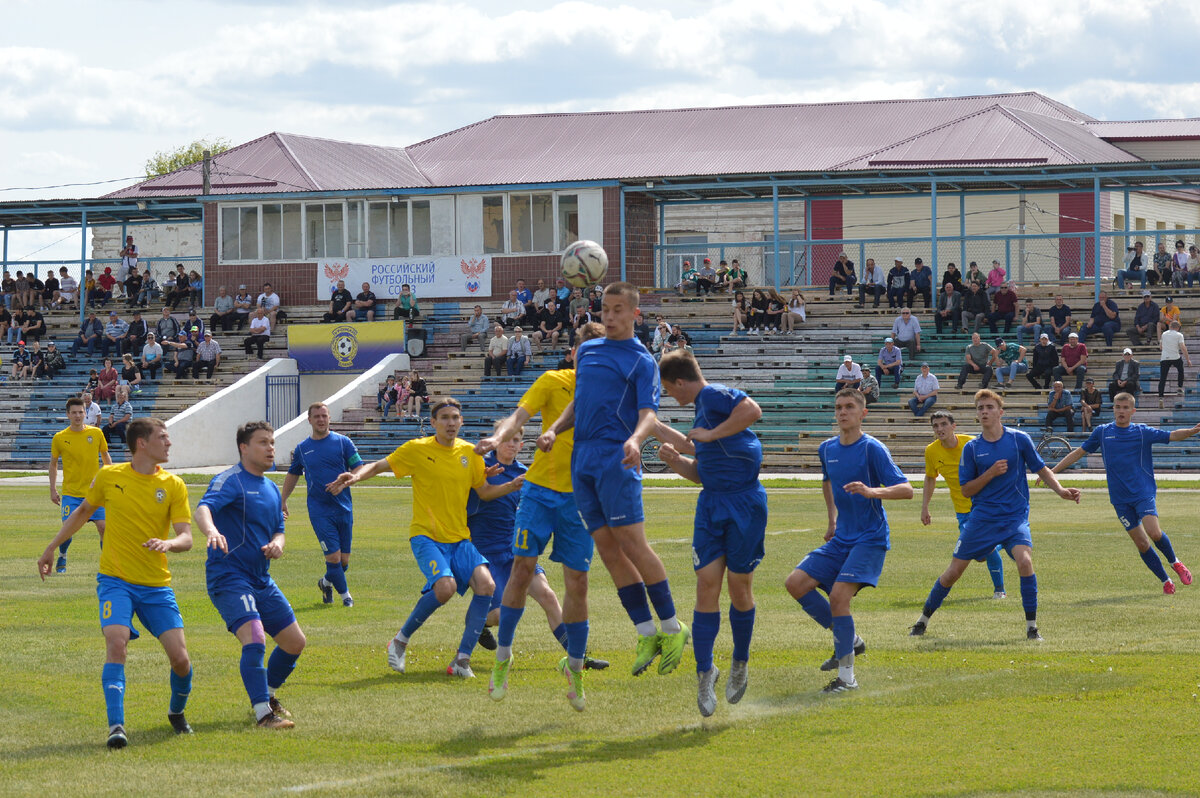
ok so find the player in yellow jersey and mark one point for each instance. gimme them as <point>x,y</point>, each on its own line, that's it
<point>145,503</point>
<point>444,469</point>
<point>547,509</point>
<point>81,448</point>
<point>942,457</point>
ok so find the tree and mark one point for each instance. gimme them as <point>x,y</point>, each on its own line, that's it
<point>164,161</point>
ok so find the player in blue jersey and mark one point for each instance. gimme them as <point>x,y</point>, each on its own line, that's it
<point>241,515</point>
<point>992,476</point>
<point>1126,449</point>
<point>858,476</point>
<point>731,514</point>
<point>613,413</point>
<point>321,458</point>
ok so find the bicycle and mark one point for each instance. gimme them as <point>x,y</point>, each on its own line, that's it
<point>1053,448</point>
<point>650,460</point>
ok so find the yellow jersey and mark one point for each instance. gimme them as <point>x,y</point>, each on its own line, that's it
<point>137,507</point>
<point>1172,313</point>
<point>549,395</point>
<point>442,480</point>
<point>940,460</point>
<point>80,453</point>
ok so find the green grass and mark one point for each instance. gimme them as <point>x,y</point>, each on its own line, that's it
<point>1106,706</point>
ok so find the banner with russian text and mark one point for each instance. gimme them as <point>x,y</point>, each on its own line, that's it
<point>342,347</point>
<point>442,276</point>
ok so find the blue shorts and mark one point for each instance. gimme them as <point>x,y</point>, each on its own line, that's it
<point>606,492</point>
<point>119,600</point>
<point>838,562</point>
<point>543,513</point>
<point>334,532</point>
<point>69,503</point>
<point>979,537</point>
<point>501,570</point>
<point>730,525</point>
<point>1131,514</point>
<point>242,598</point>
<point>438,560</point>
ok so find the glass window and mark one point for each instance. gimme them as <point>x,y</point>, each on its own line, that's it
<point>398,232</point>
<point>293,235</point>
<point>568,220</point>
<point>543,222</point>
<point>315,220</point>
<point>230,248</point>
<point>272,223</point>
<point>377,224</point>
<point>356,229</point>
<point>422,228</point>
<point>522,238</point>
<point>334,234</point>
<point>493,225</point>
<point>249,233</point>
<point>532,222</point>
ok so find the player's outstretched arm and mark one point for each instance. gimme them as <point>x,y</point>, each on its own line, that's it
<point>669,435</point>
<point>489,492</point>
<point>289,485</point>
<point>744,414</point>
<point>73,524</point>
<point>683,466</point>
<point>1184,434</point>
<point>348,478</point>
<point>1073,457</point>
<point>1070,494</point>
<point>901,490</point>
<point>181,542</point>
<point>212,536</point>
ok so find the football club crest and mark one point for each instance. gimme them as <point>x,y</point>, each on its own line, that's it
<point>344,345</point>
<point>463,460</point>
<point>160,495</point>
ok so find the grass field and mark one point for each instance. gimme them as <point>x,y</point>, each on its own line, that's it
<point>1107,705</point>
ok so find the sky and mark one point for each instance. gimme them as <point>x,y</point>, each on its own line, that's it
<point>89,91</point>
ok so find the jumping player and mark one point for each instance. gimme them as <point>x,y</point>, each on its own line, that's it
<point>613,413</point>
<point>82,449</point>
<point>147,503</point>
<point>547,509</point>
<point>241,515</point>
<point>444,469</point>
<point>1126,449</point>
<point>859,475</point>
<point>992,476</point>
<point>731,514</point>
<point>942,457</point>
<point>321,457</point>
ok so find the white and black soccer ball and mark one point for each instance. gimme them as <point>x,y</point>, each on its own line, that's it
<point>584,263</point>
<point>345,346</point>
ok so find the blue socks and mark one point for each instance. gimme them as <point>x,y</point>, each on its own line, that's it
<point>843,635</point>
<point>705,626</point>
<point>336,576</point>
<point>817,606</point>
<point>476,617</point>
<point>660,597</point>
<point>995,564</point>
<point>279,667</point>
<point>1029,596</point>
<point>509,618</point>
<point>181,688</point>
<point>426,604</point>
<point>1163,544</point>
<point>577,637</point>
<point>1150,557</point>
<point>112,679</point>
<point>560,634</point>
<point>254,675</point>
<point>742,626</point>
<point>66,544</point>
<point>937,595</point>
<point>633,599</point>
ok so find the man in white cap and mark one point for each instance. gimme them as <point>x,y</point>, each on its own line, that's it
<point>1072,360</point>
<point>849,374</point>
<point>1125,376</point>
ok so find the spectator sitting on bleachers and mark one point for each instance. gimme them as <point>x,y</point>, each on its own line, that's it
<point>974,275</point>
<point>562,293</point>
<point>978,356</point>
<point>949,309</point>
<point>1090,403</point>
<point>175,287</point>
<point>873,281</point>
<point>6,324</point>
<point>758,311</point>
<point>1168,314</point>
<point>678,339</point>
<point>577,301</point>
<point>849,374</point>
<point>1179,266</point>
<point>1125,376</point>
<point>364,304</point>
<point>1145,320</point>
<point>184,353</point>
<point>208,357</point>
<point>1136,266</point>
<point>167,328</point>
<point>551,325</point>
<point>511,310</point>
<point>906,330</point>
<point>776,307</point>
<point>135,333</point>
<point>402,390</point>
<point>104,284</point>
<point>8,290</point>
<point>920,283</point>
<point>706,278</point>
<point>195,289</point>
<point>193,324</point>
<point>542,295</point>
<point>22,363</point>
<point>37,359</point>
<point>243,306</point>
<point>976,307</point>
<point>406,305</point>
<point>1060,404</point>
<point>1059,315</point>
<point>496,355</point>
<point>418,394</point>
<point>1004,303</point>
<point>1029,322</point>
<point>898,280</point>
<point>107,387</point>
<point>869,387</point>
<point>1162,266</point>
<point>583,315</point>
<point>50,296</point>
<point>260,332</point>
<point>340,304</point>
<point>33,324</point>
<point>385,397</point>
<point>1105,319</point>
<point>595,297</point>
<point>1072,359</point>
<point>641,330</point>
<point>223,312</point>
<point>737,275</point>
<point>152,356</point>
<point>688,278</point>
<point>270,302</point>
<point>1193,267</point>
<point>741,312</point>
<point>93,382</point>
<point>133,287</point>
<point>53,362</point>
<point>90,333</point>
<point>661,331</point>
<point>477,330</point>
<point>519,352</point>
<point>1008,357</point>
<point>150,290</point>
<point>952,276</point>
<point>92,411</point>
<point>130,375</point>
<point>1043,360</point>
<point>889,363</point>
<point>797,313</point>
<point>843,275</point>
<point>925,391</point>
<point>996,278</point>
<point>114,335</point>
<point>68,289</point>
<point>119,416</point>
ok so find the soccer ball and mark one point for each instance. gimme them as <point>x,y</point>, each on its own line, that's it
<point>584,263</point>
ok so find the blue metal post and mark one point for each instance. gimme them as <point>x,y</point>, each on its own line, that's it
<point>1096,233</point>
<point>1126,238</point>
<point>933,224</point>
<point>962,231</point>
<point>82,263</point>
<point>661,255</point>
<point>775,215</point>
<point>621,199</point>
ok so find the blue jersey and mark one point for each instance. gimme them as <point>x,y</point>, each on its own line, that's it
<point>248,511</point>
<point>321,461</point>
<point>1128,461</point>
<point>1006,497</point>
<point>493,524</point>
<point>613,381</point>
<point>859,519</point>
<point>731,463</point>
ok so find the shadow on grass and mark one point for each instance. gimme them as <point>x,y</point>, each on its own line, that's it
<point>138,738</point>
<point>1111,600</point>
<point>401,679</point>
